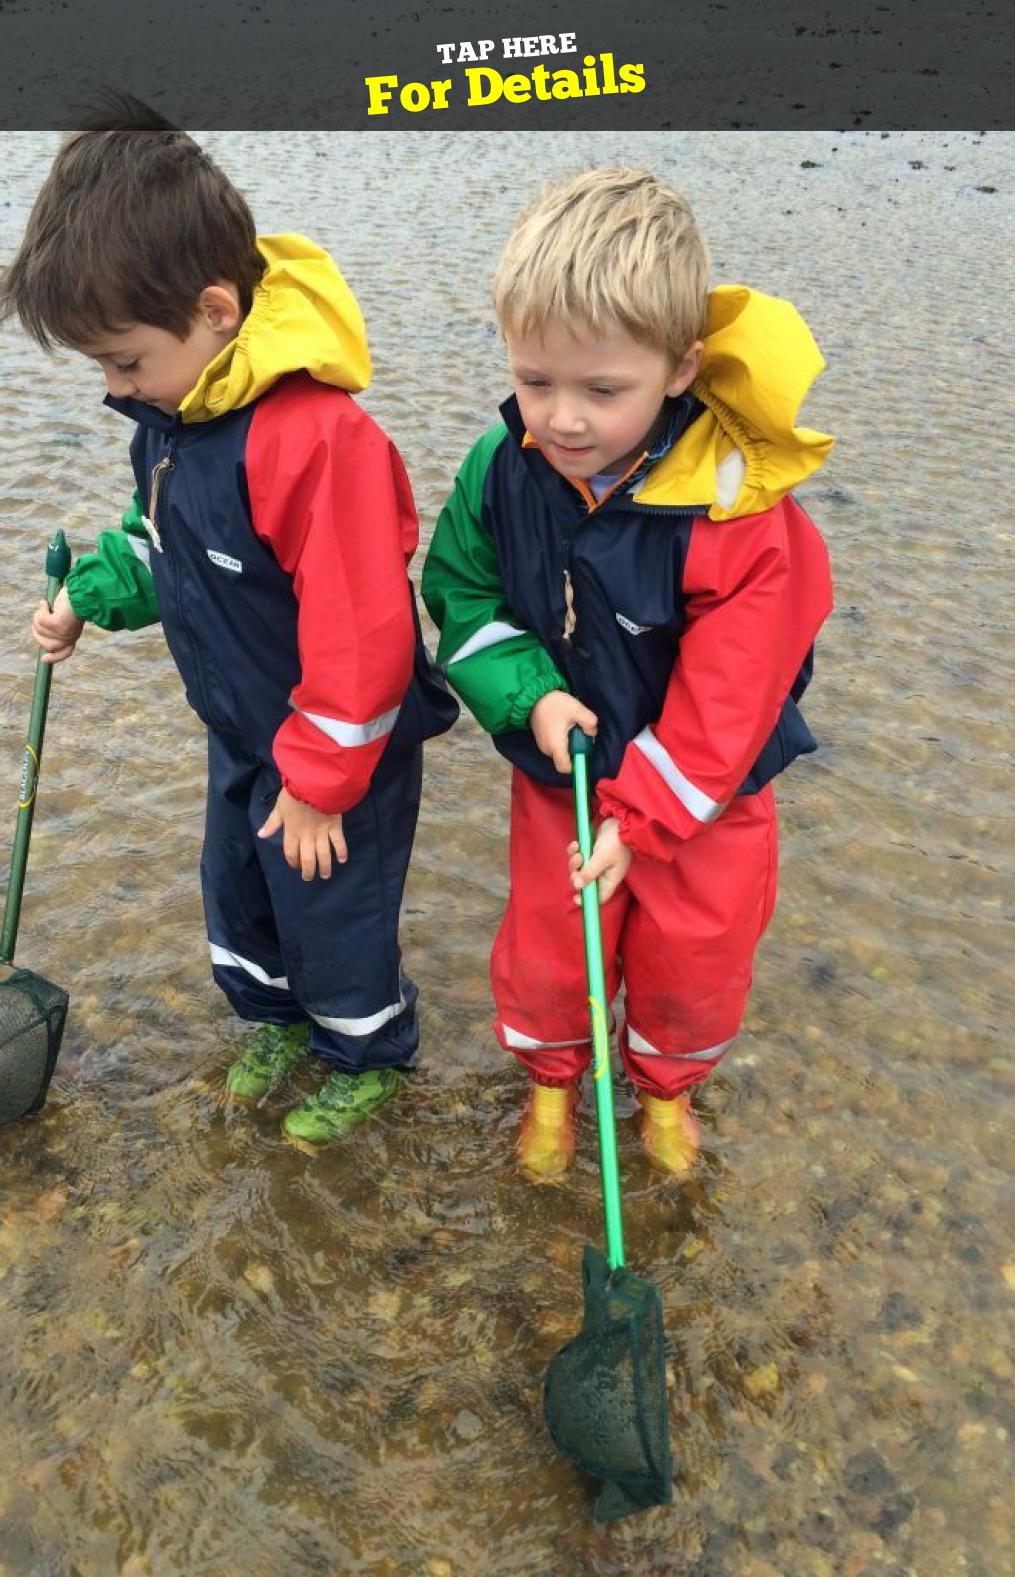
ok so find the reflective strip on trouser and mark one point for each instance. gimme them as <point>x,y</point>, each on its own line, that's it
<point>549,1061</point>
<point>519,1042</point>
<point>284,950</point>
<point>686,1067</point>
<point>644,1048</point>
<point>680,934</point>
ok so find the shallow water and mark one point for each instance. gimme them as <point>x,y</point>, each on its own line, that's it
<point>219,1355</point>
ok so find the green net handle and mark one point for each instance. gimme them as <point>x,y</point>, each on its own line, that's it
<point>580,746</point>
<point>57,565</point>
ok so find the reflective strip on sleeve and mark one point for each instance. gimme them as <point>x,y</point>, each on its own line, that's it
<point>520,1042</point>
<point>226,959</point>
<point>490,635</point>
<point>700,806</point>
<point>360,1026</point>
<point>644,1048</point>
<point>141,550</point>
<point>351,733</point>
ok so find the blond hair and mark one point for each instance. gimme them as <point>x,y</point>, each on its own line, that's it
<point>606,247</point>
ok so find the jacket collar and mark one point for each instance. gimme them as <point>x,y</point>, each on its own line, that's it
<point>681,411</point>
<point>147,415</point>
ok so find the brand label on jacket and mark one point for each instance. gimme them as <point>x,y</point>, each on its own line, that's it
<point>225,562</point>
<point>630,626</point>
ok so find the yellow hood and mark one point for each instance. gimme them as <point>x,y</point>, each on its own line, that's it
<point>746,453</point>
<point>303,317</point>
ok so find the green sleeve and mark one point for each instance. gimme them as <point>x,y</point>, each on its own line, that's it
<point>113,586</point>
<point>498,668</point>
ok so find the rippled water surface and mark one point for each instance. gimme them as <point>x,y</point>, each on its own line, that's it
<point>221,1356</point>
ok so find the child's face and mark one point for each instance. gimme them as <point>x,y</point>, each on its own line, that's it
<point>142,362</point>
<point>591,401</point>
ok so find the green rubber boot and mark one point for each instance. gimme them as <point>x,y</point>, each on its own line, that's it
<point>343,1100</point>
<point>270,1057</point>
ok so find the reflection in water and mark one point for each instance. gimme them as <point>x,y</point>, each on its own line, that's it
<point>220,1355</point>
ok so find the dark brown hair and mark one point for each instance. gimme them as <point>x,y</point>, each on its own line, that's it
<point>133,221</point>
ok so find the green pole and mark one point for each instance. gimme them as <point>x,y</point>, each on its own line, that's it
<point>57,565</point>
<point>602,1080</point>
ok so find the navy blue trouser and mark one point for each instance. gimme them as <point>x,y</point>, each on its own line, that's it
<point>286,951</point>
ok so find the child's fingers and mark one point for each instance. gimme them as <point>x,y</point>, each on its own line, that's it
<point>46,627</point>
<point>594,867</point>
<point>609,882</point>
<point>610,879</point>
<point>586,719</point>
<point>338,843</point>
<point>53,650</point>
<point>272,824</point>
<point>558,752</point>
<point>322,849</point>
<point>306,857</point>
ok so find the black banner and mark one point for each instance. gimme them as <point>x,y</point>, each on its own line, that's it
<point>382,65</point>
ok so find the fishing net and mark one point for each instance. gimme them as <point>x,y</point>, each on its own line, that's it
<point>605,1392</point>
<point>32,1016</point>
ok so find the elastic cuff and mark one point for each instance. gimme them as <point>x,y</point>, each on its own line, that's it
<point>607,810</point>
<point>525,700</point>
<point>91,609</point>
<point>639,835</point>
<point>78,602</point>
<point>315,802</point>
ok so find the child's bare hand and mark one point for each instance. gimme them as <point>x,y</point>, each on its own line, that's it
<point>58,629</point>
<point>309,837</point>
<point>609,861</point>
<point>552,719</point>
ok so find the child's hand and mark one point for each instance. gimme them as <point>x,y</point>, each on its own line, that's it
<point>57,629</point>
<point>552,719</point>
<point>308,836</point>
<point>610,861</point>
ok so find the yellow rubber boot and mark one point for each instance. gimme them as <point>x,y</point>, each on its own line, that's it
<point>670,1133</point>
<point>546,1142</point>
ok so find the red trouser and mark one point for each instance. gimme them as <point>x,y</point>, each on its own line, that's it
<point>680,934</point>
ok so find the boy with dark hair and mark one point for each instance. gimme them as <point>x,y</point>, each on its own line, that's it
<point>623,552</point>
<point>270,531</point>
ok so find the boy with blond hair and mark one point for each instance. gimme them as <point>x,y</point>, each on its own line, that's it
<point>270,531</point>
<point>623,552</point>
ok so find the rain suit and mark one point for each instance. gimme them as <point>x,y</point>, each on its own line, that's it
<point>682,608</point>
<point>270,533</point>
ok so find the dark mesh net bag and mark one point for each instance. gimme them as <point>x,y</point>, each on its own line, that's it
<point>605,1393</point>
<point>32,1016</point>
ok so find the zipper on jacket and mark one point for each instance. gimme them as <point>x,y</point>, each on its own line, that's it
<point>150,521</point>
<point>630,506</point>
<point>567,634</point>
<point>160,473</point>
<point>570,617</point>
